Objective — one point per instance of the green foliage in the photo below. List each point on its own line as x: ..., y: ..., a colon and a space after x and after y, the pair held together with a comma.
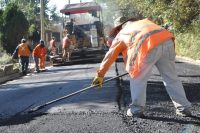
x: 4, y: 57
x: 54, y: 16
x: 182, y: 15
x: 32, y: 28
x: 188, y: 43
x: 14, y: 27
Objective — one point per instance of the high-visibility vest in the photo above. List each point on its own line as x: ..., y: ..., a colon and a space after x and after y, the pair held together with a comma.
x: 37, y: 51
x: 66, y: 42
x: 144, y: 36
x: 43, y: 52
x: 135, y: 40
x: 52, y: 43
x: 23, y: 50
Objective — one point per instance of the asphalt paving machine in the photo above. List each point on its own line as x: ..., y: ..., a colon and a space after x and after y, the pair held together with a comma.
x: 83, y: 21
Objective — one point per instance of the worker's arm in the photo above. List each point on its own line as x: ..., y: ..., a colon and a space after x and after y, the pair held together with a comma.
x: 110, y: 57
x: 15, y: 54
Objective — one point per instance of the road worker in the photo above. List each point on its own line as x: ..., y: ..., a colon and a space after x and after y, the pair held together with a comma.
x: 39, y: 53
x: 53, y: 46
x: 144, y: 44
x: 66, y: 48
x: 23, y: 52
x: 42, y: 59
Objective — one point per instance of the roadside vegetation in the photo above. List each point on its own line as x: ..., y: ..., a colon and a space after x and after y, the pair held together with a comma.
x: 181, y: 16
x: 18, y: 19
x: 5, y: 58
x: 189, y: 41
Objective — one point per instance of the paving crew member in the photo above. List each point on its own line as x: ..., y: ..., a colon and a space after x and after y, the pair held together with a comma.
x: 53, y: 46
x: 66, y: 48
x: 42, y: 59
x: 153, y: 45
x: 23, y: 52
x: 38, y: 54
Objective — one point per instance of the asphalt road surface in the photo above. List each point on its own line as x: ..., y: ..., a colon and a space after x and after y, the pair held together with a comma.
x: 96, y: 110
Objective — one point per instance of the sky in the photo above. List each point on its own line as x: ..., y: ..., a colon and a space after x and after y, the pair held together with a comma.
x: 61, y: 3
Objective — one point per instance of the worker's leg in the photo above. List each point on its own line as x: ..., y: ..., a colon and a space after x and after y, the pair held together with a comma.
x: 22, y: 63
x: 42, y: 63
x: 64, y: 54
x: 36, y: 60
x: 53, y: 51
x: 26, y: 62
x: 44, y: 60
x: 68, y: 54
x: 166, y: 66
x: 138, y: 84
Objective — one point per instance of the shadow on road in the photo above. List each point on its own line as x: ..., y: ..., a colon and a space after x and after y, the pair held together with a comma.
x: 193, y: 119
x: 20, y: 119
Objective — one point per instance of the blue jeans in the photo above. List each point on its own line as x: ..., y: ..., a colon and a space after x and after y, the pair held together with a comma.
x: 24, y: 61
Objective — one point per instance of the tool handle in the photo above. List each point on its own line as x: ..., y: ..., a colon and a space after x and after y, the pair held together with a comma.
x: 72, y: 94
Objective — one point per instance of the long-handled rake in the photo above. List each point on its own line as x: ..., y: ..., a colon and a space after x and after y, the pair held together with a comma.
x: 72, y: 94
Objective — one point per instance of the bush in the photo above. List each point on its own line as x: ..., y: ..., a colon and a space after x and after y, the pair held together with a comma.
x: 5, y: 58
x: 14, y: 27
x: 188, y: 43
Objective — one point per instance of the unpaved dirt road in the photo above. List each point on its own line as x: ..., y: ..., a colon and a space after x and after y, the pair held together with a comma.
x: 96, y: 110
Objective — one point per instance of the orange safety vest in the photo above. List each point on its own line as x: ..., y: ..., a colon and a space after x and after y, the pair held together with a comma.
x: 145, y: 36
x: 38, y: 51
x: 66, y: 42
x: 134, y: 41
x: 52, y: 43
x: 23, y: 50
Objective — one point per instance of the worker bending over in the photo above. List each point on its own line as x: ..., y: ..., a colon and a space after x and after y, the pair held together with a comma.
x: 144, y: 44
x: 39, y: 55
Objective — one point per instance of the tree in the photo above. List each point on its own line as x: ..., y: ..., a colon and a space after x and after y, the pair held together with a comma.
x: 1, y: 22
x: 14, y: 27
x: 180, y: 13
x: 53, y: 15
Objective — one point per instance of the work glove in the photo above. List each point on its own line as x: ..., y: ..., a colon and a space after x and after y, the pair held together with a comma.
x: 98, y: 81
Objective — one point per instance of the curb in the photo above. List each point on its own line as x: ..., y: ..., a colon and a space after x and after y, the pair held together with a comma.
x: 188, y: 60
x: 9, y: 77
x: 13, y: 76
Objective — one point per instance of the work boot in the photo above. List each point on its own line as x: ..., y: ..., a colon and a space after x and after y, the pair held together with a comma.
x: 185, y: 112
x: 138, y: 113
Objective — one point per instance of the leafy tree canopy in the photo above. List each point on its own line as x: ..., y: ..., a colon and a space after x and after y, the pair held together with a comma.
x: 14, y: 27
x: 180, y: 13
